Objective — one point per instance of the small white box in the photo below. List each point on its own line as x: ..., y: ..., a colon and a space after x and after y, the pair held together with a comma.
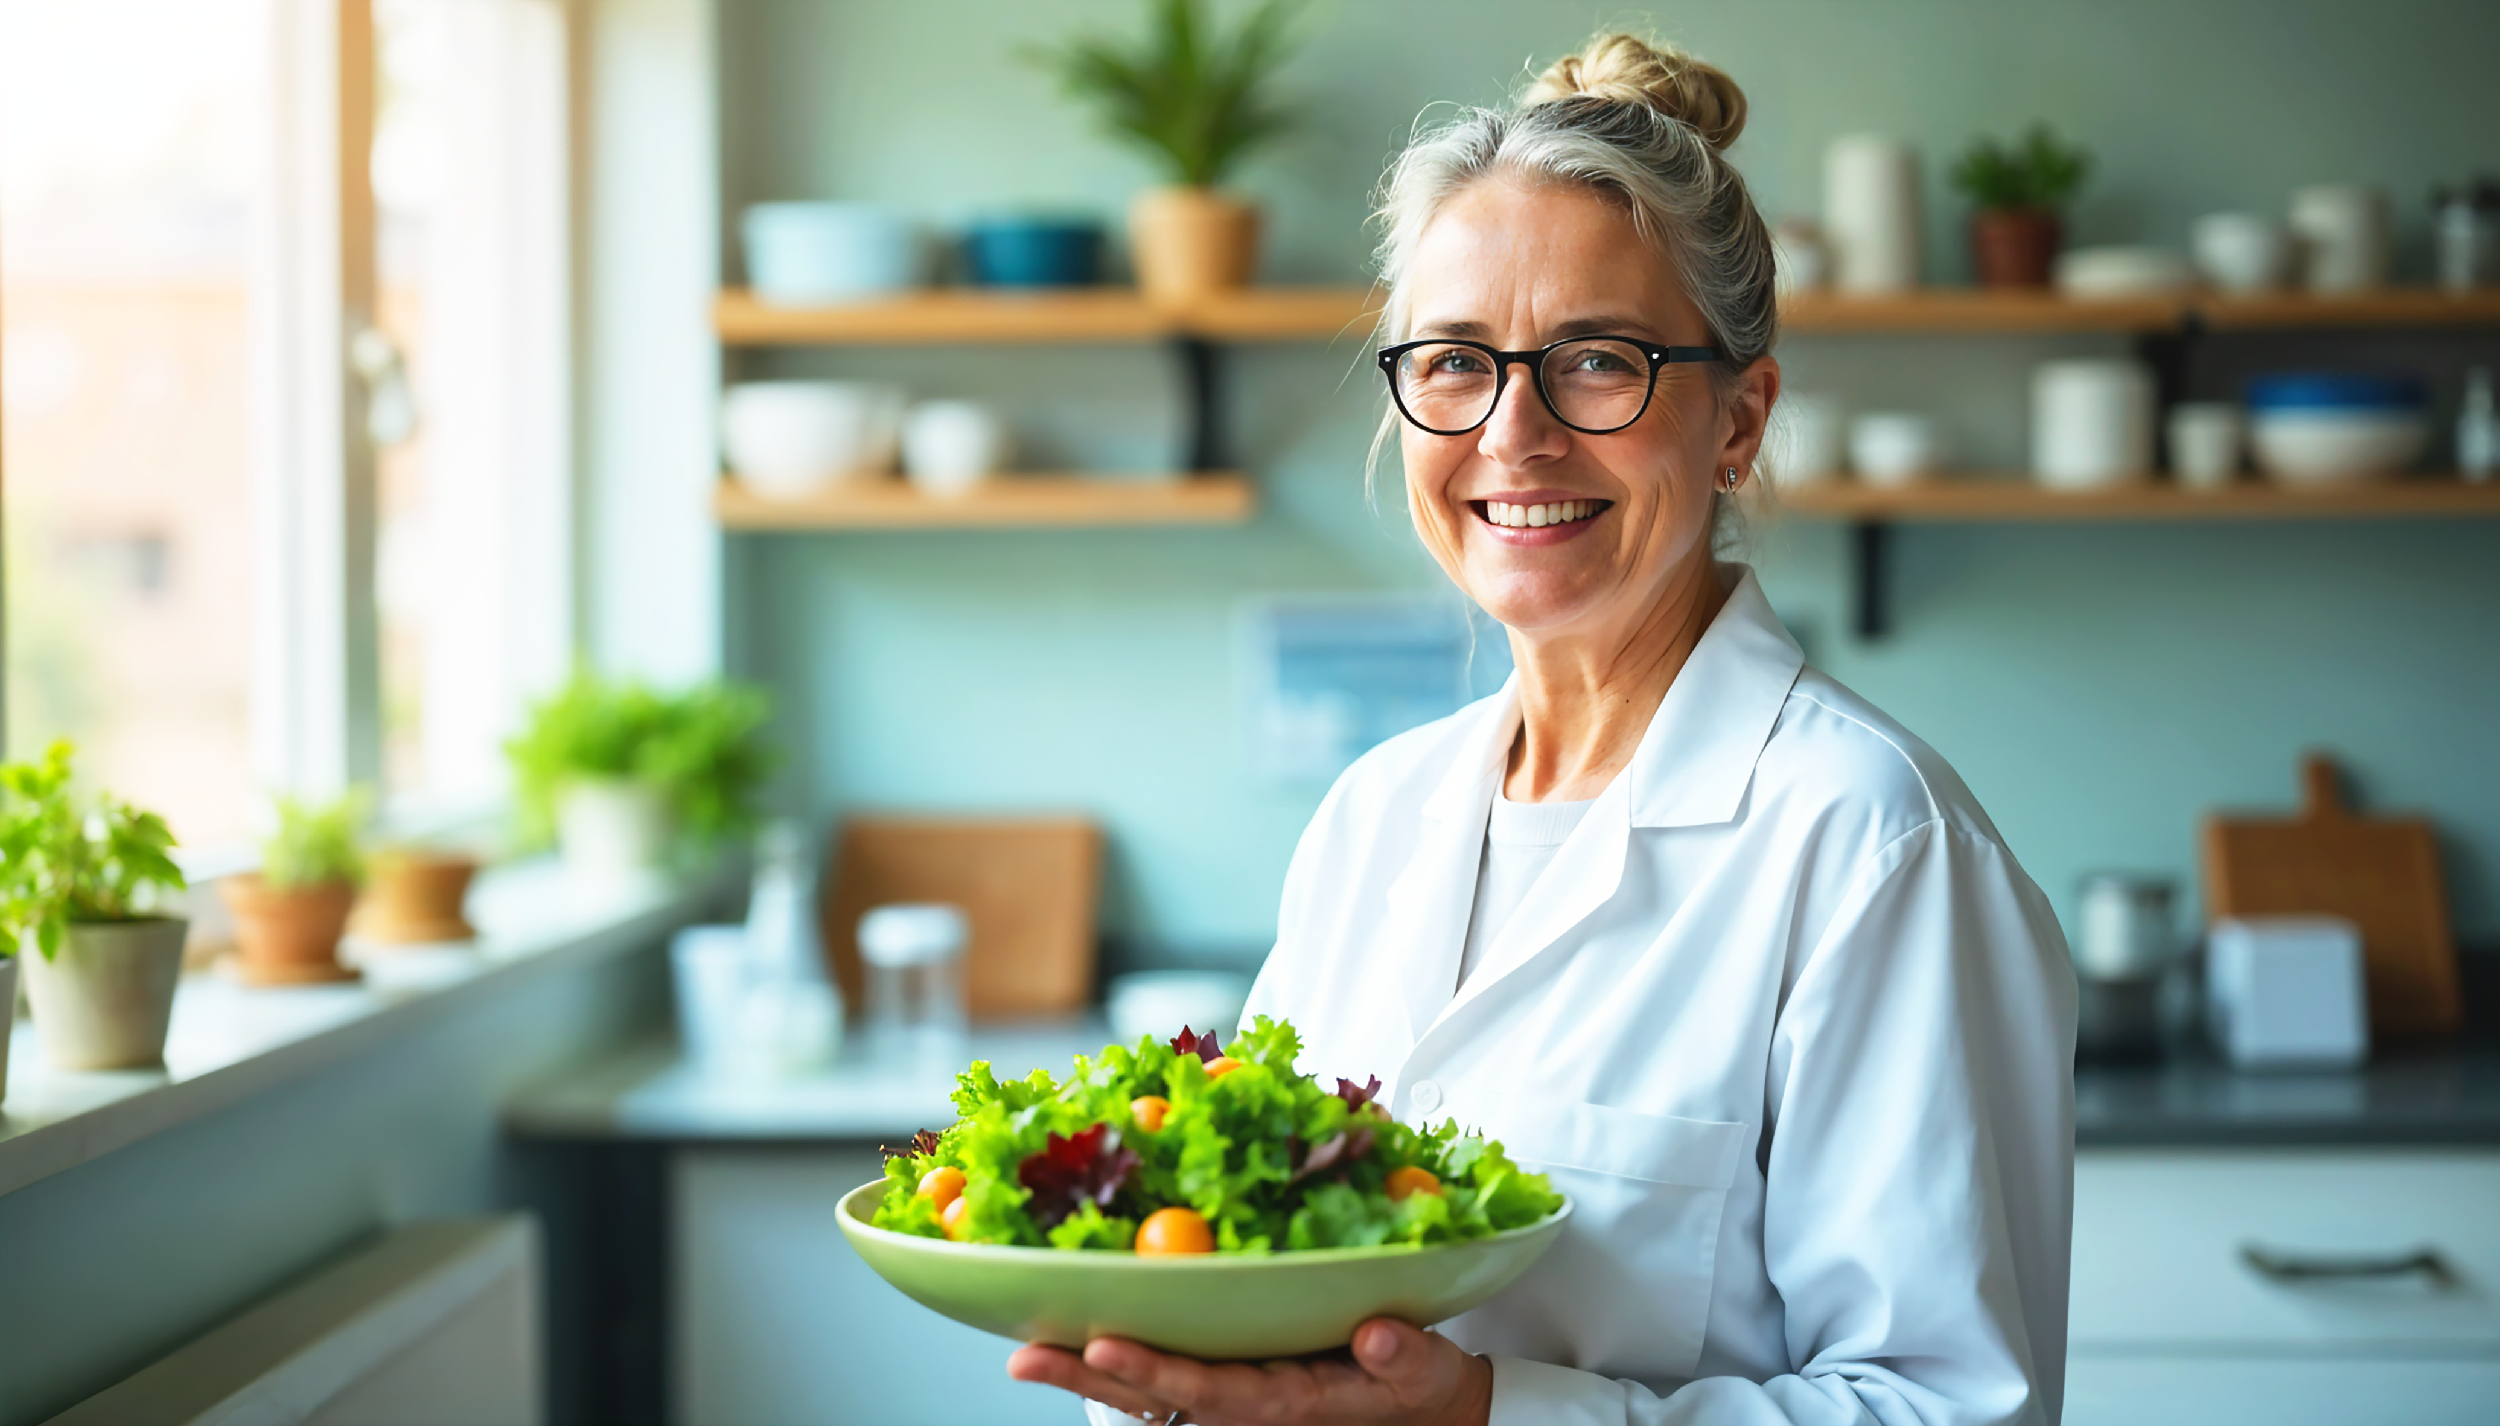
x: 2287, y: 991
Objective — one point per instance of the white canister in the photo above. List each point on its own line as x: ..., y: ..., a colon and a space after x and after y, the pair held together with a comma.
x: 2343, y: 231
x: 2091, y: 423
x: 786, y: 440
x: 1895, y: 448
x: 951, y: 446
x: 1871, y: 213
x: 1804, y: 444
x: 2241, y: 252
x: 2205, y: 439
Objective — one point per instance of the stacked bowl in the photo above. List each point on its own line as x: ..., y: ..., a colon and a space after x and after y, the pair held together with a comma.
x: 2327, y: 428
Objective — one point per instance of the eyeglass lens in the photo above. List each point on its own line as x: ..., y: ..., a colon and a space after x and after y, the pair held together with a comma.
x: 1599, y: 384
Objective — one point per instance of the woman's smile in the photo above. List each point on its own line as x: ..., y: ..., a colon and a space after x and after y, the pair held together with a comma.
x: 1530, y: 518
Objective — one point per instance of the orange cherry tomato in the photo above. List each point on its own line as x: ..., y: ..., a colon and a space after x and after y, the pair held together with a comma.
x: 1411, y: 1180
x: 1173, y: 1231
x: 957, y: 1214
x: 942, y: 1186
x: 1221, y: 1066
x: 1148, y: 1110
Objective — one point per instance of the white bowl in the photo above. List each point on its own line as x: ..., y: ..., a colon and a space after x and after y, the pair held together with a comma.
x: 1161, y: 1002
x: 1894, y: 448
x: 2122, y: 272
x: 788, y: 439
x: 2336, y: 447
x: 2241, y: 252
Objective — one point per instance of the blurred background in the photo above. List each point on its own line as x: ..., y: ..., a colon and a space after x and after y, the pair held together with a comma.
x: 709, y: 463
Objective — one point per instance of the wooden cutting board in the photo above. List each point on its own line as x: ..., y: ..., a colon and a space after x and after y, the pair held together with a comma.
x: 1029, y: 886
x: 2380, y: 873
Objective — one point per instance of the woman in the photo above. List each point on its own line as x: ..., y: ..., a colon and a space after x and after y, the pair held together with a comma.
x: 1682, y: 922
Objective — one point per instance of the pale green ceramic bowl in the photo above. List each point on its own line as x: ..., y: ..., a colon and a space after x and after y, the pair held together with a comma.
x: 1216, y: 1307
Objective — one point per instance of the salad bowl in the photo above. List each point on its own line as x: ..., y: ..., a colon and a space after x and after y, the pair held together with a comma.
x: 1214, y: 1306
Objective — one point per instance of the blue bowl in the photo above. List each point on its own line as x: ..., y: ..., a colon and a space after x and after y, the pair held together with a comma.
x: 801, y: 253
x: 2336, y: 391
x: 1033, y: 252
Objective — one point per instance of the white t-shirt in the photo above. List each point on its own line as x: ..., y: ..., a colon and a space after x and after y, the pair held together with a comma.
x: 1519, y: 840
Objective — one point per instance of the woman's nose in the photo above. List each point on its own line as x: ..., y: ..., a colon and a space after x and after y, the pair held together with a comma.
x: 1521, y: 430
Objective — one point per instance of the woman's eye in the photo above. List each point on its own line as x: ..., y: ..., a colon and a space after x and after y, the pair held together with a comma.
x: 1458, y: 363
x: 1601, y: 362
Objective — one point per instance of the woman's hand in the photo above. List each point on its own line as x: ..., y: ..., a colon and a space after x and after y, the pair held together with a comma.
x: 1400, y: 1375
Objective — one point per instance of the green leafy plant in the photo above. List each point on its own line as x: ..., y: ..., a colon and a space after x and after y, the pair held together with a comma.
x: 316, y: 843
x: 68, y: 860
x: 701, y: 749
x: 2036, y: 172
x: 1198, y: 101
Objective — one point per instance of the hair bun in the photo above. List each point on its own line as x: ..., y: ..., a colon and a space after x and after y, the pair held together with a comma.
x: 1627, y: 69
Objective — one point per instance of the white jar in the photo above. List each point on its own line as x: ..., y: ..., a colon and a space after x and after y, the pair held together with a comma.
x: 2205, y: 438
x: 951, y: 446
x: 2091, y: 423
x: 1871, y: 213
x: 2241, y: 252
x: 2343, y: 235
x: 1895, y: 448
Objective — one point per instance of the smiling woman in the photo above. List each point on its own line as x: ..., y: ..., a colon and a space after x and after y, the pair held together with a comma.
x: 1733, y: 958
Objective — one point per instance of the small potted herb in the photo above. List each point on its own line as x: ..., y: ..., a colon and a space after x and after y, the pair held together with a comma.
x: 1198, y: 101
x: 414, y: 895
x: 289, y: 916
x: 2020, y: 190
x: 81, y: 880
x: 621, y: 775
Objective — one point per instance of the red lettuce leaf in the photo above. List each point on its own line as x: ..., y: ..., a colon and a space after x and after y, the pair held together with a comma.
x: 1088, y: 1167
x: 1357, y: 1095
x: 1203, y: 1046
x: 1334, y: 1154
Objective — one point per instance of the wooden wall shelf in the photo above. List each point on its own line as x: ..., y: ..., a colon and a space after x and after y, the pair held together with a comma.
x: 1104, y: 314
x: 2015, y: 499
x: 1947, y: 310
x: 1010, y: 501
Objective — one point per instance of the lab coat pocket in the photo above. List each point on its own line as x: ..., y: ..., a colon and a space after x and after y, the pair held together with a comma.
x: 1626, y: 1289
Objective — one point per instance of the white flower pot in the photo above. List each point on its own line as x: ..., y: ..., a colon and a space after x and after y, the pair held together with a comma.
x: 613, y: 832
x: 105, y: 999
x: 8, y: 1017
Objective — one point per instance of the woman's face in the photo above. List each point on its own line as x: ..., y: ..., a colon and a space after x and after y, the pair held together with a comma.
x: 1518, y: 267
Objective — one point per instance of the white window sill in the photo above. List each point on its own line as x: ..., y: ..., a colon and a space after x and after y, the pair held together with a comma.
x: 230, y: 1042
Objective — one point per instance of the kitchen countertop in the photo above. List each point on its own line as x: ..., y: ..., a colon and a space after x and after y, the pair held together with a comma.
x: 2418, y: 1096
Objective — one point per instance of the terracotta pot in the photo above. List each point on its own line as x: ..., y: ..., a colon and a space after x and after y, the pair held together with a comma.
x: 1188, y: 242
x: 2014, y: 247
x: 104, y: 1000
x: 288, y: 937
x: 413, y: 898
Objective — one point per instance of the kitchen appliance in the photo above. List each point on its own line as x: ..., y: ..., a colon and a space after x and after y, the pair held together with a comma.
x: 949, y: 447
x: 2287, y: 992
x: 2343, y: 232
x: 2465, y: 235
x: 1033, y: 252
x: 913, y: 953
x: 2124, y: 948
x: 1871, y: 214
x: 2336, y: 428
x: 1162, y: 1003
x: 1895, y: 448
x: 2122, y: 272
x: 1028, y: 886
x: 803, y: 253
x: 2379, y: 873
x: 2241, y: 252
x: 786, y: 440
x: 1803, y: 446
x: 2091, y: 423
x: 2205, y: 438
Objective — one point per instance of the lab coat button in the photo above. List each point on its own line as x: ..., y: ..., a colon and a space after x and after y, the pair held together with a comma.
x: 1427, y: 1096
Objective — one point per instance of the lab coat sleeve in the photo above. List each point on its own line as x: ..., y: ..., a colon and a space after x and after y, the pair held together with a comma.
x: 1919, y: 1179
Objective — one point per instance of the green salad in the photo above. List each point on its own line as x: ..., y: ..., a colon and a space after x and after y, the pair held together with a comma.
x: 1188, y: 1147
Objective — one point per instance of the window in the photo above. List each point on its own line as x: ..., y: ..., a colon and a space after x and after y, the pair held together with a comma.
x: 283, y: 404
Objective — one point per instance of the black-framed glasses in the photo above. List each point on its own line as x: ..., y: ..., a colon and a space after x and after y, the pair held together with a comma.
x: 1594, y: 385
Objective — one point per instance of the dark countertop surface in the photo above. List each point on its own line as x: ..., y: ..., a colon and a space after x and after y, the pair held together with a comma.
x: 2407, y: 1096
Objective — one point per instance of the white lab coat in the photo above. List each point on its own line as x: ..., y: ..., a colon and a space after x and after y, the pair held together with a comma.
x: 1784, y: 1018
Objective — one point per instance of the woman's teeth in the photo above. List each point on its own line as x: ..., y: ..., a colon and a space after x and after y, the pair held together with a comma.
x: 1533, y: 517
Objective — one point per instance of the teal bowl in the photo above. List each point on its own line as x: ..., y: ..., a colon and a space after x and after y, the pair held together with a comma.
x: 1217, y: 1307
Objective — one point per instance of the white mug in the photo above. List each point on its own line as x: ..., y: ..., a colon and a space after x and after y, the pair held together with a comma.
x: 2241, y: 252
x: 2205, y: 444
x: 951, y: 446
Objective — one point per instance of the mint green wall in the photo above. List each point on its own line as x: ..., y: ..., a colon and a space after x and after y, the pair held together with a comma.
x: 2099, y: 686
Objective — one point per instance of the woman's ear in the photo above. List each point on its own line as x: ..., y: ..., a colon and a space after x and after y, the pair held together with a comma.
x: 1749, y: 413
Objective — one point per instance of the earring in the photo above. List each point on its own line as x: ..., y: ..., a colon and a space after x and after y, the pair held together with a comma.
x: 1730, y: 481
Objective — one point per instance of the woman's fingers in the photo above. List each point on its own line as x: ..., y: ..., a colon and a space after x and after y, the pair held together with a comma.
x: 1056, y: 1366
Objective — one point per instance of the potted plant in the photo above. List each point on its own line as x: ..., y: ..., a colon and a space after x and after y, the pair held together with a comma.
x: 414, y: 895
x: 2020, y: 190
x: 80, y: 880
x: 1198, y: 102
x: 622, y: 775
x: 289, y: 915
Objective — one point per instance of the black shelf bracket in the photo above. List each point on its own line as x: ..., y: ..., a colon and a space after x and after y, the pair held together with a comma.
x: 1201, y: 376
x: 1870, y: 549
